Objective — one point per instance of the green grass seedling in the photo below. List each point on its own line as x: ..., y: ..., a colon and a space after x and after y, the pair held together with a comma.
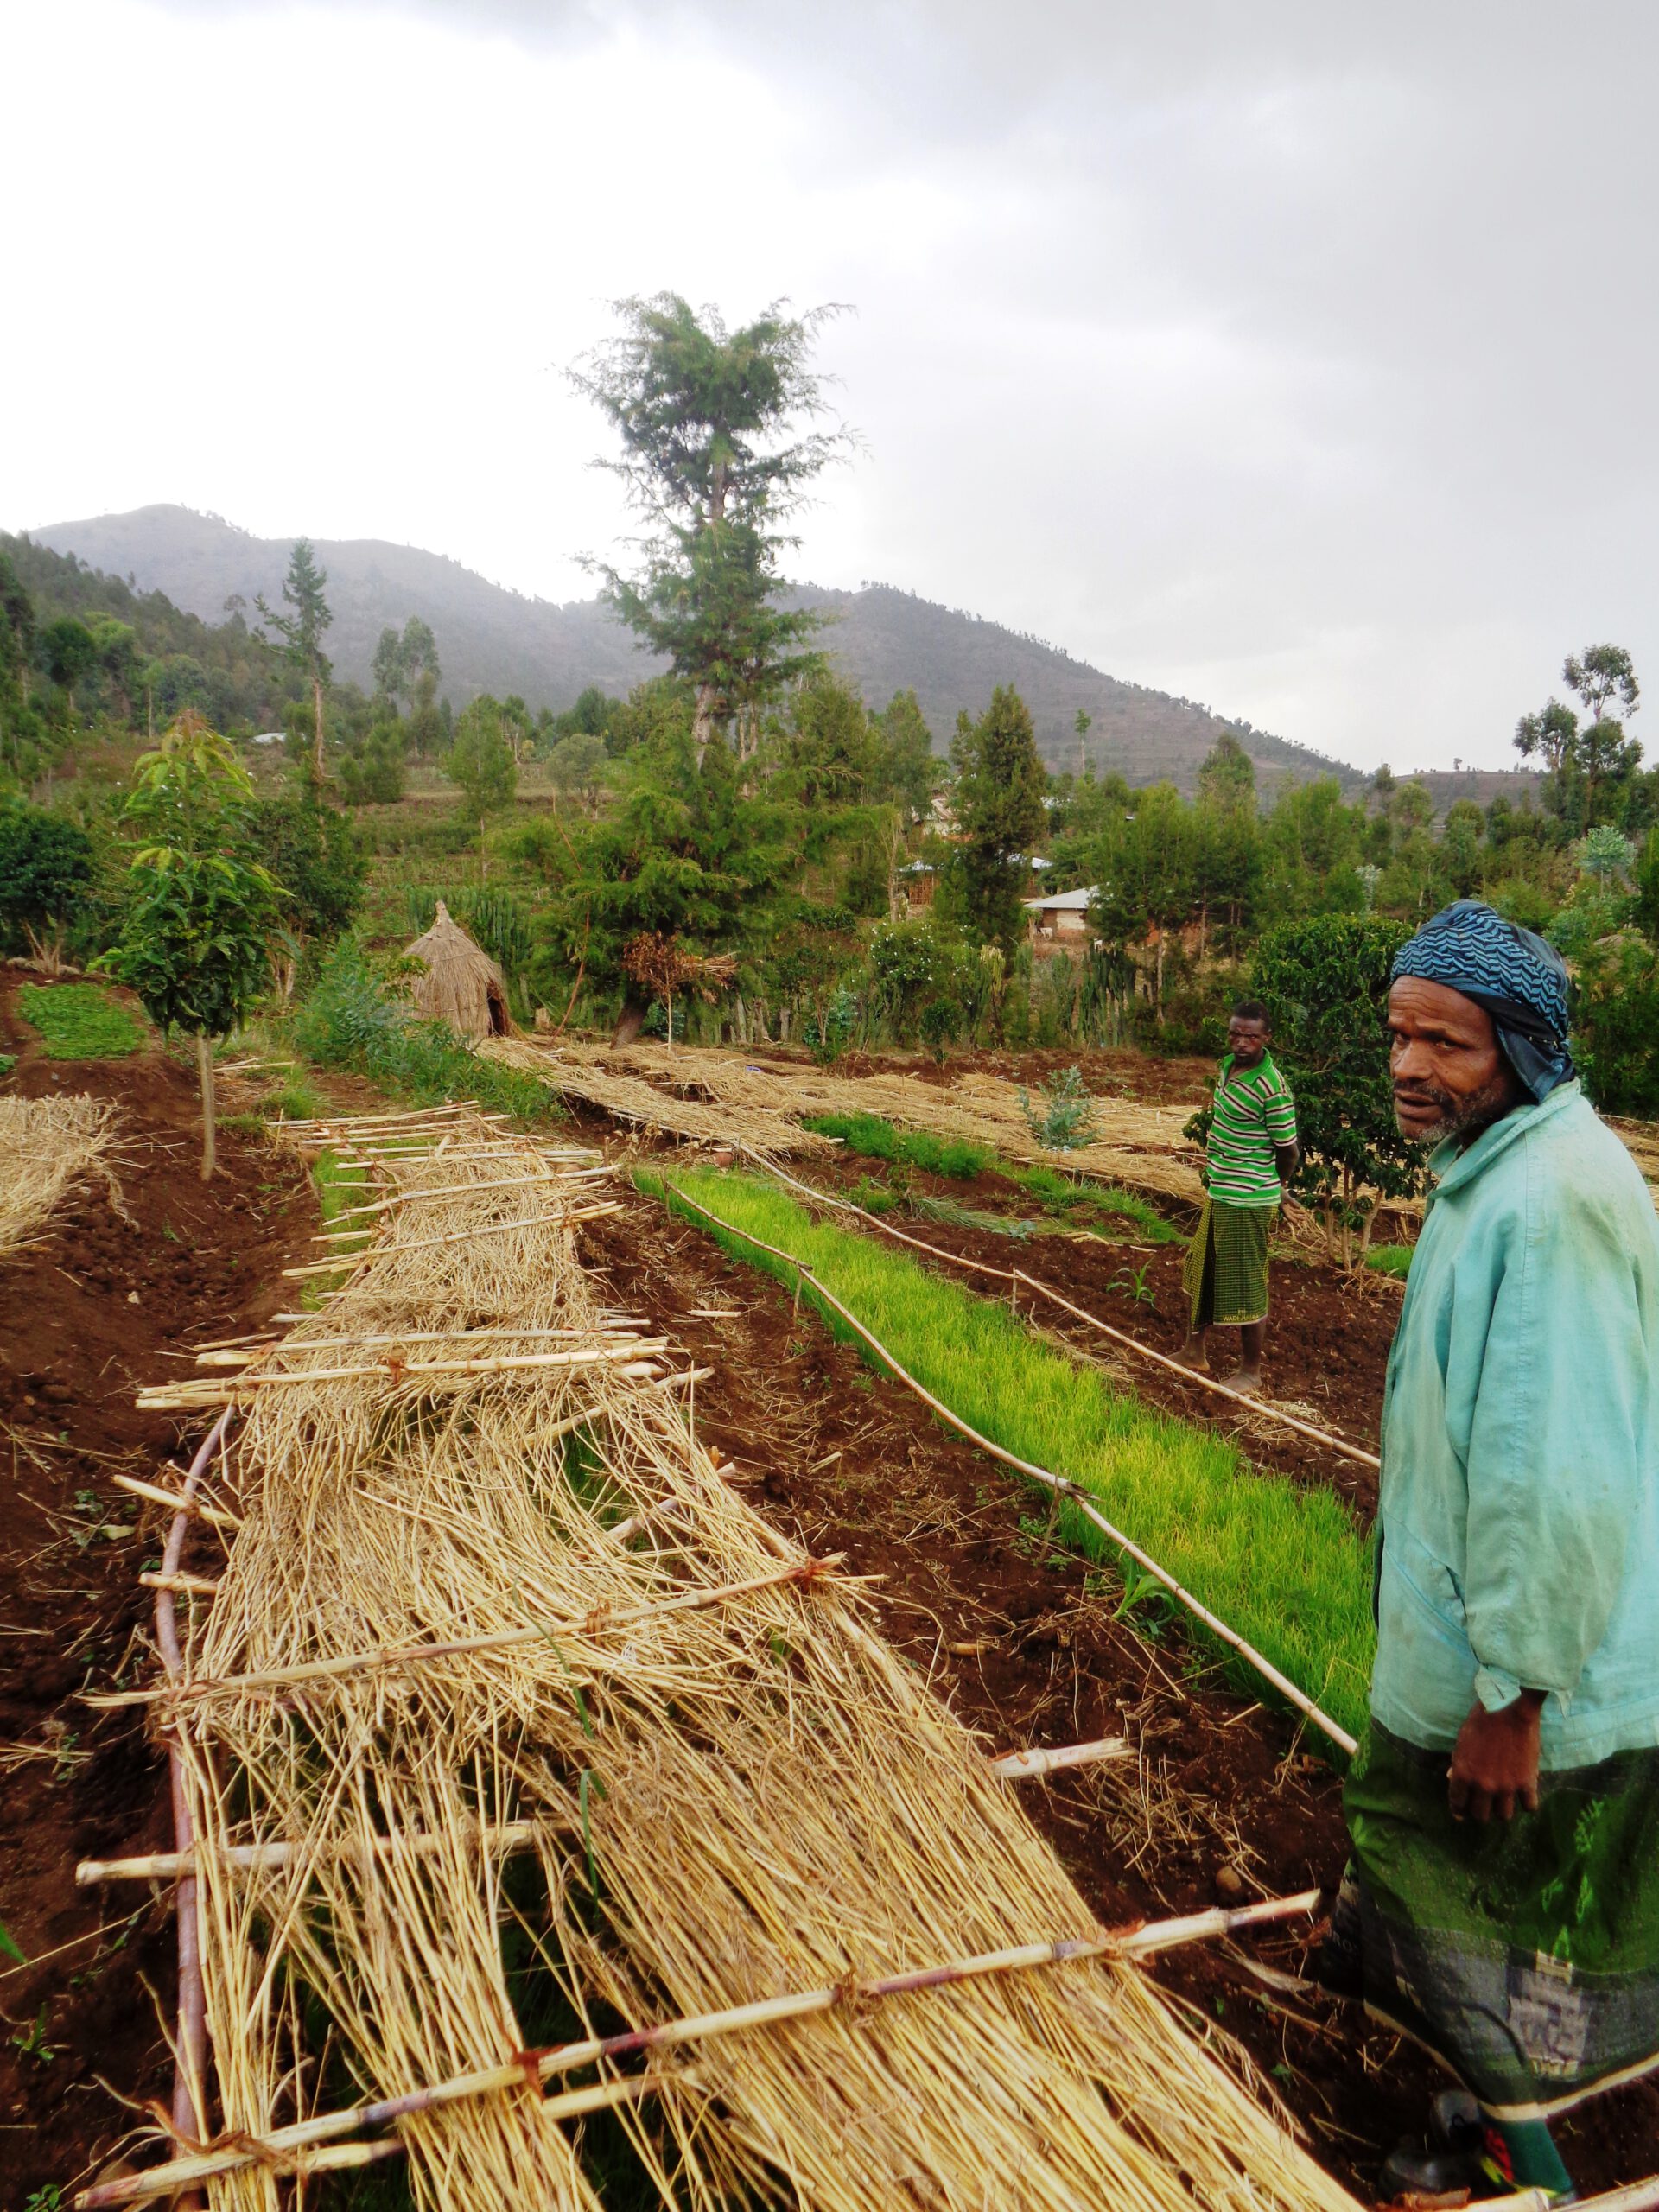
x: 80, y: 1022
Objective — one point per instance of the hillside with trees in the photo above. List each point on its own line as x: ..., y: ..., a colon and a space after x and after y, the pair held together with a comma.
x: 880, y: 639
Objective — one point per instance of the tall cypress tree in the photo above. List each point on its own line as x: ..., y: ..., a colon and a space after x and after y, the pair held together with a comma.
x: 302, y: 589
x: 1000, y: 781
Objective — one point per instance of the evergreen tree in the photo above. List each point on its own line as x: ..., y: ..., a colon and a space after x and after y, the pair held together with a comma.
x: 1000, y: 785
x: 480, y: 761
x: 711, y: 458
x: 302, y: 629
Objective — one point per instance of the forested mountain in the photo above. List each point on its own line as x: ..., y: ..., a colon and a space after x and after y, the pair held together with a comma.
x: 495, y: 639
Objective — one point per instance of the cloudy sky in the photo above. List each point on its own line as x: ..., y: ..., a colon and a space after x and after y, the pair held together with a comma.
x: 1297, y: 358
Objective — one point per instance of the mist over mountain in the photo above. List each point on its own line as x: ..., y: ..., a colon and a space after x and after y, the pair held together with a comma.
x: 493, y: 638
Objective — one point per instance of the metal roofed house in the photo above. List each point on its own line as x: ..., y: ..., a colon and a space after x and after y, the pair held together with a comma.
x: 1062, y: 918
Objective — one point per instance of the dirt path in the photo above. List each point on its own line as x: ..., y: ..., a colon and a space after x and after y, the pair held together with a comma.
x: 1022, y: 1643
x: 101, y: 1305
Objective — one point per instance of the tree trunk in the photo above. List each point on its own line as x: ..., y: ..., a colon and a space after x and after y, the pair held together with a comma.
x: 483, y: 862
x: 205, y: 1071
x: 316, y: 745
x: 703, y: 723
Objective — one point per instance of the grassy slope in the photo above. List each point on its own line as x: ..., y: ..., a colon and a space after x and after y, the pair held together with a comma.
x: 1288, y: 1568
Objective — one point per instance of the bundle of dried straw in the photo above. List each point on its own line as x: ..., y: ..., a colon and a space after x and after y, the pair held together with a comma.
x: 519, y: 1600
x: 734, y: 1118
x: 46, y: 1145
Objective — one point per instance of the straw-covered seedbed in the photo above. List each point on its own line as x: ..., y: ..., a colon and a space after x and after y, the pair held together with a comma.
x: 635, y: 1103
x: 1137, y: 1146
x: 488, y: 1590
x: 47, y: 1146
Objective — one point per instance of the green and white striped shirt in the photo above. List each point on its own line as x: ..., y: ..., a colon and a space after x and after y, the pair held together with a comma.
x: 1253, y: 1111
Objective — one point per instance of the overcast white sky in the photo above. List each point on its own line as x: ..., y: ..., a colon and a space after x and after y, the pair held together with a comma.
x: 1298, y: 357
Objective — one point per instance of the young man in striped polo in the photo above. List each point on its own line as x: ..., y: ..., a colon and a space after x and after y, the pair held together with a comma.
x: 1252, y: 1156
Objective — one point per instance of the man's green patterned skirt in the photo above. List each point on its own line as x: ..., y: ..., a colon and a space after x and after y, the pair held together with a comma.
x: 1524, y: 1953
x: 1226, y: 1272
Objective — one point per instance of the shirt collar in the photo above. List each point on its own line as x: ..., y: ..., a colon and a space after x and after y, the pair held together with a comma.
x: 1452, y: 1169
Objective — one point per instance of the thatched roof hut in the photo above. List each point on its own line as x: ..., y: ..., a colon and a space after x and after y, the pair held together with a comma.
x: 462, y: 985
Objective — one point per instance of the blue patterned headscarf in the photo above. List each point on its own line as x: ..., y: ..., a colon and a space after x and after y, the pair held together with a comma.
x: 1518, y: 979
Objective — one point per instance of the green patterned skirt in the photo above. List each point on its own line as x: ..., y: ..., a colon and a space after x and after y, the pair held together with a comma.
x: 1523, y: 1953
x: 1226, y: 1273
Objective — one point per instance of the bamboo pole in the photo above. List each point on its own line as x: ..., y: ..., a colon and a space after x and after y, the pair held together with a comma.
x: 180, y: 1503
x: 158, y: 1395
x: 1257, y: 1407
x: 545, y: 2065
x: 601, y: 1621
x: 514, y: 1835
x: 218, y: 1355
x: 429, y: 1191
x: 190, y: 2048
x: 1060, y: 1483
x: 260, y: 1858
x: 455, y: 1237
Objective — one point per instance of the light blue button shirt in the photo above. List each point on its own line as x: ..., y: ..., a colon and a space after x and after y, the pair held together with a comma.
x: 1518, y: 1531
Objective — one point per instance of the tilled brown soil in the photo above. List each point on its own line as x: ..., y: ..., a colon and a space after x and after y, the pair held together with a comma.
x: 105, y: 1301
x: 1023, y: 1643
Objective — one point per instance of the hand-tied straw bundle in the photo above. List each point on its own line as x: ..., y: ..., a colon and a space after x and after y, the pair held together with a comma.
x: 519, y: 1600
x: 46, y: 1146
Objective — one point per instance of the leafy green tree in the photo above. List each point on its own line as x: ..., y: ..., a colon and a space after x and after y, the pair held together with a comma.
x: 71, y: 654
x: 479, y: 762
x: 576, y: 766
x: 1001, y: 786
x: 1616, y: 1024
x: 313, y: 854
x: 1147, y: 867
x: 687, y: 852
x: 712, y: 460
x: 1227, y: 776
x: 302, y: 632
x: 1462, y: 855
x: 46, y: 867
x: 1326, y: 985
x: 194, y: 935
x: 830, y: 753
x: 913, y: 771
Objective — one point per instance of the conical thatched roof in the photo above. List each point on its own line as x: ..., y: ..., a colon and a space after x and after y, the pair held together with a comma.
x: 462, y: 985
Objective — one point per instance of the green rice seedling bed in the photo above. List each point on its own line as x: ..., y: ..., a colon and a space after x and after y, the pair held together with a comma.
x: 1289, y: 1568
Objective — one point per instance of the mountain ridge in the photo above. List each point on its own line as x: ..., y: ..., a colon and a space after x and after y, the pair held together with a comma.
x: 492, y: 637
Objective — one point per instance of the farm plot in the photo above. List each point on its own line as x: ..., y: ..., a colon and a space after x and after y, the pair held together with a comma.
x: 1136, y: 1145
x: 492, y: 1591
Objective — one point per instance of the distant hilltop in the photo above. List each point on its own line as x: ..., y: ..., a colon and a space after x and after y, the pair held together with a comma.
x: 883, y: 639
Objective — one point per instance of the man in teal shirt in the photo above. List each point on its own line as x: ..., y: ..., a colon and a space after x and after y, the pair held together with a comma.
x: 1501, y: 1903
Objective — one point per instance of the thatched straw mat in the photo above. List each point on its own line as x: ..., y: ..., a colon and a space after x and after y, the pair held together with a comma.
x: 46, y: 1146
x: 730, y: 1788
x: 462, y: 985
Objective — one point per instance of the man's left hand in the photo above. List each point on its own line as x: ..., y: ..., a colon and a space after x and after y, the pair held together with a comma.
x: 1495, y: 1761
